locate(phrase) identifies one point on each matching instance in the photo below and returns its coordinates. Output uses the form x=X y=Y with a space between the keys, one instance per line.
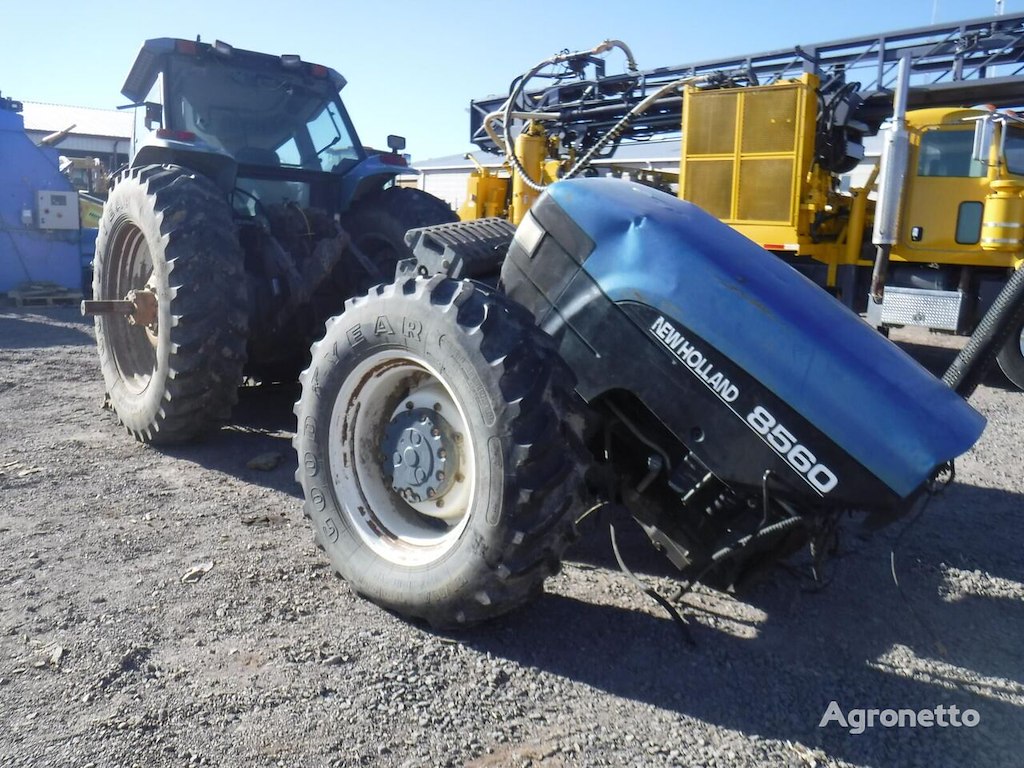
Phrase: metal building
x=102 y=133
x=446 y=177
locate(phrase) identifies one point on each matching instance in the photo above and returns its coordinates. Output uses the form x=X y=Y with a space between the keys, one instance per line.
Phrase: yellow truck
x=954 y=231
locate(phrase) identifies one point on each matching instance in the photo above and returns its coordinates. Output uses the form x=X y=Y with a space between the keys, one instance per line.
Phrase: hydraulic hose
x=976 y=358
x=607 y=45
x=616 y=130
x=507 y=110
x=734 y=549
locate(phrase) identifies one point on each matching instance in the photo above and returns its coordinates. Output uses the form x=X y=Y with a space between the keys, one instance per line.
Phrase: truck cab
x=961 y=219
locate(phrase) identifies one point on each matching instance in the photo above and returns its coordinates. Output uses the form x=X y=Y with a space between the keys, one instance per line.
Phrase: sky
x=414 y=65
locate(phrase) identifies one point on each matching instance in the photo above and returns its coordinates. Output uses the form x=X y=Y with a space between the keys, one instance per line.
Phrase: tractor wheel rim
x=401 y=458
x=133 y=347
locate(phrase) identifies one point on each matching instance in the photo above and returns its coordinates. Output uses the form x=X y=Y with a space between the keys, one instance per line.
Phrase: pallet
x=44 y=295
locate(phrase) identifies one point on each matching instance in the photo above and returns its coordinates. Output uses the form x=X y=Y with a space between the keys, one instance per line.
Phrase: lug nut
x=440 y=476
x=442 y=453
x=437 y=406
x=430 y=493
x=408 y=405
x=435 y=432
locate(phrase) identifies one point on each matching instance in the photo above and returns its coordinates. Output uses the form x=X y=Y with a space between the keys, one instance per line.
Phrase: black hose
x=614 y=133
x=510 y=147
x=976 y=358
x=732 y=550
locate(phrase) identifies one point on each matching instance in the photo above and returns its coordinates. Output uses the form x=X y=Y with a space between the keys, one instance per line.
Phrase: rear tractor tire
x=1011 y=356
x=437 y=454
x=377 y=226
x=168 y=232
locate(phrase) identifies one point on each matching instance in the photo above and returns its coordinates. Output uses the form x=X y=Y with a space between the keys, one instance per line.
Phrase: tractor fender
x=197 y=155
x=368 y=175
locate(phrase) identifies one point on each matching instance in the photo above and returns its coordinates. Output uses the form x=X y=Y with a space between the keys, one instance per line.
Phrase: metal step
x=462 y=249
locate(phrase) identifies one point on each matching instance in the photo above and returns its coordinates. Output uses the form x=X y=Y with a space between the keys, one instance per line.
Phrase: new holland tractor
x=607 y=345
x=594 y=342
x=243 y=221
x=619 y=347
x=488 y=384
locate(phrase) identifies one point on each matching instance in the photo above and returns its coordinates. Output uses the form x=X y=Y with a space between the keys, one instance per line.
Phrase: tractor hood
x=648 y=249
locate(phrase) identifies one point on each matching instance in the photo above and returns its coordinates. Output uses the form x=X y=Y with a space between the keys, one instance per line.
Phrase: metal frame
x=966 y=62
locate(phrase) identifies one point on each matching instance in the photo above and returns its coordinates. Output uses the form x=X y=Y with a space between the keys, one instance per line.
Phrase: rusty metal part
x=112 y=307
x=140 y=307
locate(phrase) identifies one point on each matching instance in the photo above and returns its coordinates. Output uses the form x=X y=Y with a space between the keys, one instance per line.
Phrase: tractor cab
x=271 y=129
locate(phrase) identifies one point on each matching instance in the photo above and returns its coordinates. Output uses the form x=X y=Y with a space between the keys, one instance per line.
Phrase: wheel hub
x=420 y=455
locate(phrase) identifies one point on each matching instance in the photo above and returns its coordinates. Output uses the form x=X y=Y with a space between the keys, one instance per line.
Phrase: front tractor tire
x=437 y=456
x=167 y=232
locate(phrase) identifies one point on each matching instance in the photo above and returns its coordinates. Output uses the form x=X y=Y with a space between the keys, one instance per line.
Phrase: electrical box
x=57 y=209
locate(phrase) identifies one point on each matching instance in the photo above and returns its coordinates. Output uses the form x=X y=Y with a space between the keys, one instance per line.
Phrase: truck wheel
x=172 y=372
x=377 y=226
x=1011 y=357
x=436 y=453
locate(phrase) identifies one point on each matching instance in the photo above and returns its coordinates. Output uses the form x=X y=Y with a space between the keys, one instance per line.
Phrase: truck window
x=1015 y=150
x=948 y=153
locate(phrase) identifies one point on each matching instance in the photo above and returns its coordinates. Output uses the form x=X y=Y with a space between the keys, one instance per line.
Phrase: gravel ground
x=169 y=608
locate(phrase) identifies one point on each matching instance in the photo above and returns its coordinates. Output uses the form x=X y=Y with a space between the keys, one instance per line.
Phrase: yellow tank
x=486 y=194
x=531 y=149
x=1002 y=225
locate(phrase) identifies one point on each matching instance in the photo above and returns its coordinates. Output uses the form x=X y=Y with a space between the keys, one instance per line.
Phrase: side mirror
x=396 y=143
x=984 y=129
x=154 y=115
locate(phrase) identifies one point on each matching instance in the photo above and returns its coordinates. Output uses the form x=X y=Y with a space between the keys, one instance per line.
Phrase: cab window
x=948 y=153
x=1015 y=150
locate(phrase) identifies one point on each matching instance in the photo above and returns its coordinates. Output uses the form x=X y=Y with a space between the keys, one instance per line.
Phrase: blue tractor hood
x=863 y=392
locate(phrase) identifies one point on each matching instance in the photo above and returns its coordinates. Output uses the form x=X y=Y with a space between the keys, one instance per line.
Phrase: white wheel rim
x=405 y=532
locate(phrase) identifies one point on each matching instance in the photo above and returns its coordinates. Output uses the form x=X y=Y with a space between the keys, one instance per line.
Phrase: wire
x=929 y=630
x=683 y=624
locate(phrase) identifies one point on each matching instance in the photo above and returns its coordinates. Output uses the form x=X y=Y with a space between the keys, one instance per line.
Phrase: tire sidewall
x=129 y=204
x=406 y=327
x=1011 y=356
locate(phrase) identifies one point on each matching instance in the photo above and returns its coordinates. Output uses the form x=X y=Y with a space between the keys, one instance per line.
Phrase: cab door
x=946 y=196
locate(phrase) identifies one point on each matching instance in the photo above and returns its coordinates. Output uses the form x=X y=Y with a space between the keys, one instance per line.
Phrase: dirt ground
x=167 y=607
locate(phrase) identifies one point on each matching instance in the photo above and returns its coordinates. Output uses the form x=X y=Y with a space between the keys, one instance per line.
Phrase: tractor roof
x=155 y=53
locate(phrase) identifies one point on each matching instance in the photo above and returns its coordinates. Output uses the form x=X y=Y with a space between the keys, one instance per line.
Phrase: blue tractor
x=619 y=347
x=245 y=218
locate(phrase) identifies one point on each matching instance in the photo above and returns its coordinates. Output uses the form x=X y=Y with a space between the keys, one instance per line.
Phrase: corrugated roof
x=88 y=121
